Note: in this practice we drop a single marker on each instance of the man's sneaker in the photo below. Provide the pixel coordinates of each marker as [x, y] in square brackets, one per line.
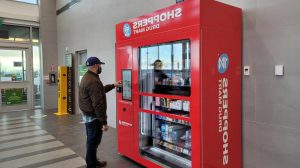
[101, 163]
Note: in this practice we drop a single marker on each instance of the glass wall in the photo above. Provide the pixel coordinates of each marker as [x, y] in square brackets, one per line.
[82, 57]
[16, 33]
[35, 35]
[36, 75]
[13, 62]
[36, 66]
[12, 65]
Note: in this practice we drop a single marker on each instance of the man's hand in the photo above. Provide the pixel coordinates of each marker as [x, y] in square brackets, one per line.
[104, 127]
[118, 84]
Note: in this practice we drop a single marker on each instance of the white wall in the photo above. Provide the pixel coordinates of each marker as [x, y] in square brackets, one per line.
[20, 11]
[90, 25]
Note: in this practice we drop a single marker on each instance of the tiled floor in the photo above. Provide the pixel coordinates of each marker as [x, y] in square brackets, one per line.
[29, 140]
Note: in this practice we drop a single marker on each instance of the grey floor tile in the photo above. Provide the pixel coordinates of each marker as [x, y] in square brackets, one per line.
[22, 135]
[26, 141]
[37, 158]
[7, 132]
[8, 118]
[67, 130]
[14, 122]
[73, 162]
[21, 125]
[30, 149]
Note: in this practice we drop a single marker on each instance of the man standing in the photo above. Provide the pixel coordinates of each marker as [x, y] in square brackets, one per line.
[92, 102]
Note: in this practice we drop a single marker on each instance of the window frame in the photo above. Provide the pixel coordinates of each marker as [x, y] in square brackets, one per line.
[21, 1]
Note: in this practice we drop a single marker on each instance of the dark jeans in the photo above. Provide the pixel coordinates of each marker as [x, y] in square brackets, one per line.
[94, 136]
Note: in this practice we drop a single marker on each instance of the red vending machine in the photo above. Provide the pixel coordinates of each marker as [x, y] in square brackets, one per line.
[180, 101]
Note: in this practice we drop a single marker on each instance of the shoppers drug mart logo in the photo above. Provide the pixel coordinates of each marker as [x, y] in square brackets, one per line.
[223, 107]
[223, 63]
[127, 30]
[151, 23]
[223, 118]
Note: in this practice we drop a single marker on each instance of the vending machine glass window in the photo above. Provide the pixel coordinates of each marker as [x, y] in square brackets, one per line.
[164, 71]
[165, 68]
[165, 140]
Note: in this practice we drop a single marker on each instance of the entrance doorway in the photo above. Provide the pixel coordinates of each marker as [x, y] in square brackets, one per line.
[80, 69]
[16, 79]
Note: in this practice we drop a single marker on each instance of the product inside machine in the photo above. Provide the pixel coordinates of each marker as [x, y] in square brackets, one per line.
[164, 74]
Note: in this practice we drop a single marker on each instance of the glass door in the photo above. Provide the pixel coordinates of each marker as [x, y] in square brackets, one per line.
[16, 81]
[82, 57]
[80, 70]
[164, 90]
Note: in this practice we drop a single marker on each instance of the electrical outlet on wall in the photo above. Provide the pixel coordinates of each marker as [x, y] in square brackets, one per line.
[246, 70]
[279, 70]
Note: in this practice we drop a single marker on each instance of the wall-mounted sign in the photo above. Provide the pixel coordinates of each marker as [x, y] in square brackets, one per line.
[69, 60]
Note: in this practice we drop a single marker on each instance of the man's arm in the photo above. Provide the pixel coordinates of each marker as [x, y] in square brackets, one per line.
[108, 88]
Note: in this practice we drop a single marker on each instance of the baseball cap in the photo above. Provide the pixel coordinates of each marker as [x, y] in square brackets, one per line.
[157, 63]
[92, 61]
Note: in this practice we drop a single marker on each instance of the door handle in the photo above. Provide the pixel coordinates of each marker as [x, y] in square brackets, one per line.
[142, 120]
[124, 109]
